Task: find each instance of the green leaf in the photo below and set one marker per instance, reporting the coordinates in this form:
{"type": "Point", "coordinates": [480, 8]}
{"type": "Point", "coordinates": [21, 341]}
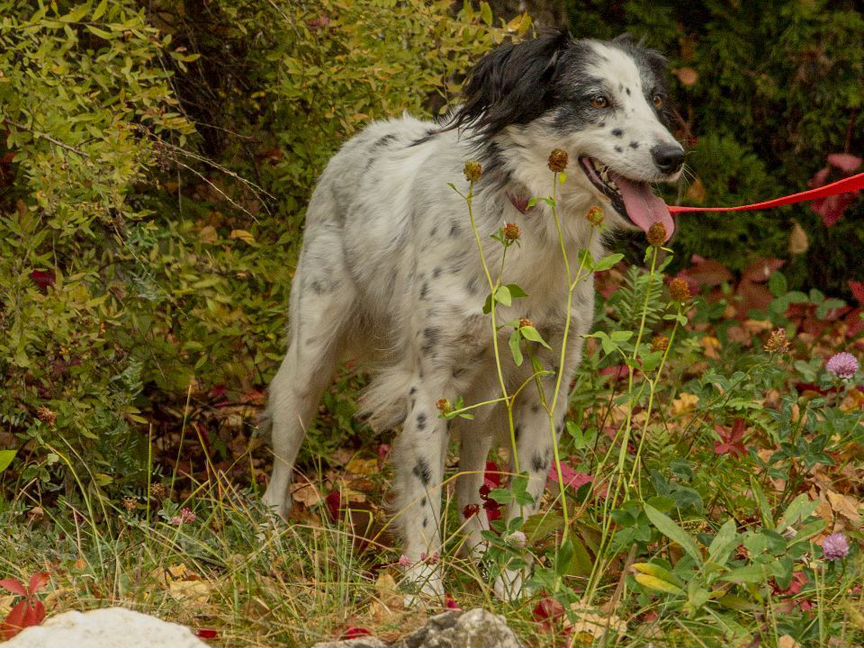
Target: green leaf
{"type": "Point", "coordinates": [6, 457]}
{"type": "Point", "coordinates": [724, 542]}
{"type": "Point", "coordinates": [657, 571]}
{"type": "Point", "coordinates": [515, 347]}
{"type": "Point", "coordinates": [531, 333]}
{"type": "Point", "coordinates": [486, 13]}
{"type": "Point", "coordinates": [762, 501]}
{"type": "Point", "coordinates": [100, 10]}
{"type": "Point", "coordinates": [657, 584]}
{"type": "Point", "coordinates": [516, 292]}
{"type": "Point", "coordinates": [667, 527]}
{"type": "Point", "coordinates": [799, 509]}
{"type": "Point", "coordinates": [777, 284]}
{"type": "Point", "coordinates": [608, 262]}
{"type": "Point", "coordinates": [750, 574]}
{"type": "Point", "coordinates": [502, 296]}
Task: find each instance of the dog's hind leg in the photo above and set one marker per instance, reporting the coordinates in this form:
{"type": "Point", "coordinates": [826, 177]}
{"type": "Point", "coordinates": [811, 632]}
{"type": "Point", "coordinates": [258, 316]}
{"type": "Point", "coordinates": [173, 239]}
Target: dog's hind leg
{"type": "Point", "coordinates": [321, 304]}
{"type": "Point", "coordinates": [476, 440]}
{"type": "Point", "coordinates": [419, 456]}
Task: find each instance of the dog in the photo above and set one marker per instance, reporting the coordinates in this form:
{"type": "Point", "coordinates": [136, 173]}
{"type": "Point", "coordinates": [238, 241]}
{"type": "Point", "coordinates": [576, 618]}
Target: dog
{"type": "Point", "coordinates": [390, 271]}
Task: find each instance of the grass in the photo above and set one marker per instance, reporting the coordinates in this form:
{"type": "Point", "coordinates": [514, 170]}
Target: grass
{"type": "Point", "coordinates": [714, 455]}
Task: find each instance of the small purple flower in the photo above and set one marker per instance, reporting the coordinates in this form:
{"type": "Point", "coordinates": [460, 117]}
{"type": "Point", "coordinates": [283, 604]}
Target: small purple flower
{"type": "Point", "coordinates": [405, 561]}
{"type": "Point", "coordinates": [843, 365]}
{"type": "Point", "coordinates": [187, 516]}
{"type": "Point", "coordinates": [835, 547]}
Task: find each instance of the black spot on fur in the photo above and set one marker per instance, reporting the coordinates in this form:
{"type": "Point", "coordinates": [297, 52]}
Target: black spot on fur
{"type": "Point", "coordinates": [602, 124]}
{"type": "Point", "coordinates": [431, 336]}
{"type": "Point", "coordinates": [535, 408]}
{"type": "Point", "coordinates": [618, 149]}
{"type": "Point", "coordinates": [627, 90]}
{"type": "Point", "coordinates": [538, 463]}
{"type": "Point", "coordinates": [421, 471]}
{"type": "Point", "coordinates": [436, 273]}
{"type": "Point", "coordinates": [455, 230]}
{"type": "Point", "coordinates": [412, 391]}
{"type": "Point", "coordinates": [423, 502]}
{"type": "Point", "coordinates": [422, 140]}
{"type": "Point", "coordinates": [424, 290]}
{"type": "Point", "coordinates": [384, 141]}
{"type": "Point", "coordinates": [421, 422]}
{"type": "Point", "coordinates": [517, 431]}
{"type": "Point", "coordinates": [433, 232]}
{"type": "Point", "coordinates": [617, 132]}
{"type": "Point", "coordinates": [458, 371]}
{"type": "Point", "coordinates": [634, 145]}
{"type": "Point", "coordinates": [425, 522]}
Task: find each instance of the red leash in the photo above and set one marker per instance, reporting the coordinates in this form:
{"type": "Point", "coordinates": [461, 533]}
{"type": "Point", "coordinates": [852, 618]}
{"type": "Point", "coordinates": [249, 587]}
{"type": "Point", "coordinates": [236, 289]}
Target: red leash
{"type": "Point", "coordinates": [846, 185]}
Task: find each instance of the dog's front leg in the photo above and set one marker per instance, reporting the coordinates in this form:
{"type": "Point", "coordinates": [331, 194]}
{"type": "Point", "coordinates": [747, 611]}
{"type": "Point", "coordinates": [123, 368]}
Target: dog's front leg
{"type": "Point", "coordinates": [419, 456]}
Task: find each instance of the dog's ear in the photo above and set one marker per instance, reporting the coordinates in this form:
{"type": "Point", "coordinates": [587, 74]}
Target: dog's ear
{"type": "Point", "coordinates": [512, 84]}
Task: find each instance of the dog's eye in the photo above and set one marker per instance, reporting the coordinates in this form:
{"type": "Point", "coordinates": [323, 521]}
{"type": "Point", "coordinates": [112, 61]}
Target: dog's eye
{"type": "Point", "coordinates": [658, 101]}
{"type": "Point", "coordinates": [599, 102]}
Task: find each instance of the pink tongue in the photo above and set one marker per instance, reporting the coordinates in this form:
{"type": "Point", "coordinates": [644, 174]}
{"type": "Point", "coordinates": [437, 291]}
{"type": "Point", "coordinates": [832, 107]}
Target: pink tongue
{"type": "Point", "coordinates": [643, 207]}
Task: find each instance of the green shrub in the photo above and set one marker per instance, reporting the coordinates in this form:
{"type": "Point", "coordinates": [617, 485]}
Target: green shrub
{"type": "Point", "coordinates": [154, 169]}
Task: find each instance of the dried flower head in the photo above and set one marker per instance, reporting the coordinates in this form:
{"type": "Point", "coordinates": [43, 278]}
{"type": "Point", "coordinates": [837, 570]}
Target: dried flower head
{"type": "Point", "coordinates": [558, 159]}
{"type": "Point", "coordinates": [843, 365]}
{"type": "Point", "coordinates": [473, 171]}
{"type": "Point", "coordinates": [523, 322]}
{"type": "Point", "coordinates": [835, 547]}
{"type": "Point", "coordinates": [512, 232]}
{"type": "Point", "coordinates": [595, 216]}
{"type": "Point", "coordinates": [679, 290]}
{"type": "Point", "coordinates": [660, 343]}
{"type": "Point", "coordinates": [777, 342]}
{"type": "Point", "coordinates": [657, 234]}
{"type": "Point", "coordinates": [470, 510]}
{"type": "Point", "coordinates": [130, 504]}
{"type": "Point", "coordinates": [158, 491]}
{"type": "Point", "coordinates": [47, 416]}
{"type": "Point", "coordinates": [430, 559]}
{"type": "Point", "coordinates": [444, 406]}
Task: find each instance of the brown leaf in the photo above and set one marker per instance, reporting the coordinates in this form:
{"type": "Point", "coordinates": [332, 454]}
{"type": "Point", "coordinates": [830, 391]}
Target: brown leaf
{"type": "Point", "coordinates": [306, 494]}
{"type": "Point", "coordinates": [762, 270]}
{"type": "Point", "coordinates": [243, 235]}
{"type": "Point", "coordinates": [845, 506]}
{"type": "Point", "coordinates": [362, 466]}
{"type": "Point", "coordinates": [696, 192]}
{"type": "Point", "coordinates": [208, 234]}
{"type": "Point", "coordinates": [798, 241]}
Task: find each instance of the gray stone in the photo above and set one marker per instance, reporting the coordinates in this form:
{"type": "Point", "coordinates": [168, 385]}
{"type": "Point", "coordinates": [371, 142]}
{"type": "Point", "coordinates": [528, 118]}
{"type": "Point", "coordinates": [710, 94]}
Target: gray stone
{"type": "Point", "coordinates": [106, 628]}
{"type": "Point", "coordinates": [475, 628]}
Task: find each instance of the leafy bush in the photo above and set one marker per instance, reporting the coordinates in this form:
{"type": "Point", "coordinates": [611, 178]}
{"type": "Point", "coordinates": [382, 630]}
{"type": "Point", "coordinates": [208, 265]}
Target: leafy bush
{"type": "Point", "coordinates": [155, 166]}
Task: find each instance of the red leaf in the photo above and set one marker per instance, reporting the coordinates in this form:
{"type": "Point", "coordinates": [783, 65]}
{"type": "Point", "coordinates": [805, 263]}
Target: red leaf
{"type": "Point", "coordinates": [547, 612]}
{"type": "Point", "coordinates": [493, 510]}
{"type": "Point", "coordinates": [493, 475]}
{"type": "Point", "coordinates": [334, 504]}
{"type": "Point", "coordinates": [34, 614]}
{"type": "Point", "coordinates": [618, 372]}
{"type": "Point", "coordinates": [732, 442]}
{"type": "Point", "coordinates": [14, 585]}
{"type": "Point", "coordinates": [845, 162]}
{"type": "Point", "coordinates": [762, 270]}
{"type": "Point", "coordinates": [571, 477]}
{"type": "Point", "coordinates": [857, 288]}
{"type": "Point", "coordinates": [450, 603]}
{"type": "Point", "coordinates": [38, 581]}
{"type": "Point", "coordinates": [14, 622]}
{"type": "Point", "coordinates": [820, 179]}
{"type": "Point", "coordinates": [354, 633]}
{"type": "Point", "coordinates": [43, 279]}
{"type": "Point", "coordinates": [470, 510]}
{"type": "Point", "coordinates": [206, 633]}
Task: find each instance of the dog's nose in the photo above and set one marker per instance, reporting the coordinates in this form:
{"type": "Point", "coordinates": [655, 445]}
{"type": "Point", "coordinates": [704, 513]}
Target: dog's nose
{"type": "Point", "coordinates": [669, 158]}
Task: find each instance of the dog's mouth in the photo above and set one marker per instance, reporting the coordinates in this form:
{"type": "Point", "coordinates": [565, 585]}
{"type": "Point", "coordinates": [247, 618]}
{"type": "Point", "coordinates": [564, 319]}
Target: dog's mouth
{"type": "Point", "coordinates": [631, 198]}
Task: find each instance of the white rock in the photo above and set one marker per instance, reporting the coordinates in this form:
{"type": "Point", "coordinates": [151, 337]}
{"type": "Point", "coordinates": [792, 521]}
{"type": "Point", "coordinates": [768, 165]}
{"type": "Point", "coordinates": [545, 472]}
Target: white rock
{"type": "Point", "coordinates": [106, 628]}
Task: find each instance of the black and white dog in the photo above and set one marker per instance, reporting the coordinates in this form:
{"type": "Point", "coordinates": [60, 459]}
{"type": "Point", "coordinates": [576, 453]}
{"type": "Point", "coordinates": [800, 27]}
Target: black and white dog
{"type": "Point", "coordinates": [390, 271]}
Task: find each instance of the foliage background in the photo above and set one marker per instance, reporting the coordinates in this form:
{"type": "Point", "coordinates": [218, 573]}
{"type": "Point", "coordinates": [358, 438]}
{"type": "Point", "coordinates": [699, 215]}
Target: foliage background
{"type": "Point", "coordinates": [156, 158]}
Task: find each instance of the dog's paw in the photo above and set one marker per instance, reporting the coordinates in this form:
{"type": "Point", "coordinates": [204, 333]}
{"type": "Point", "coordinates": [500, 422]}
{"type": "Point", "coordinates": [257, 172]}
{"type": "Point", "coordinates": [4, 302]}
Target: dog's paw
{"type": "Point", "coordinates": [424, 584]}
{"type": "Point", "coordinates": [277, 503]}
{"type": "Point", "coordinates": [509, 586]}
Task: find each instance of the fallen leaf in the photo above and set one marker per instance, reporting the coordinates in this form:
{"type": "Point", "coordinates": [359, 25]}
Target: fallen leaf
{"type": "Point", "coordinates": [845, 505]}
{"type": "Point", "coordinates": [571, 477]}
{"type": "Point", "coordinates": [787, 641]}
{"type": "Point", "coordinates": [306, 494]}
{"type": "Point", "coordinates": [362, 466]}
{"type": "Point", "coordinates": [798, 241]}
{"type": "Point", "coordinates": [696, 192]}
{"type": "Point", "coordinates": [593, 624]}
{"type": "Point", "coordinates": [243, 235]}
{"type": "Point", "coordinates": [712, 347]}
{"type": "Point", "coordinates": [684, 404]}
{"type": "Point", "coordinates": [208, 234]}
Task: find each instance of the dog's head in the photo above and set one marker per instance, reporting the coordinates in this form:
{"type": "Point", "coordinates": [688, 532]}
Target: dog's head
{"type": "Point", "coordinates": [604, 102]}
